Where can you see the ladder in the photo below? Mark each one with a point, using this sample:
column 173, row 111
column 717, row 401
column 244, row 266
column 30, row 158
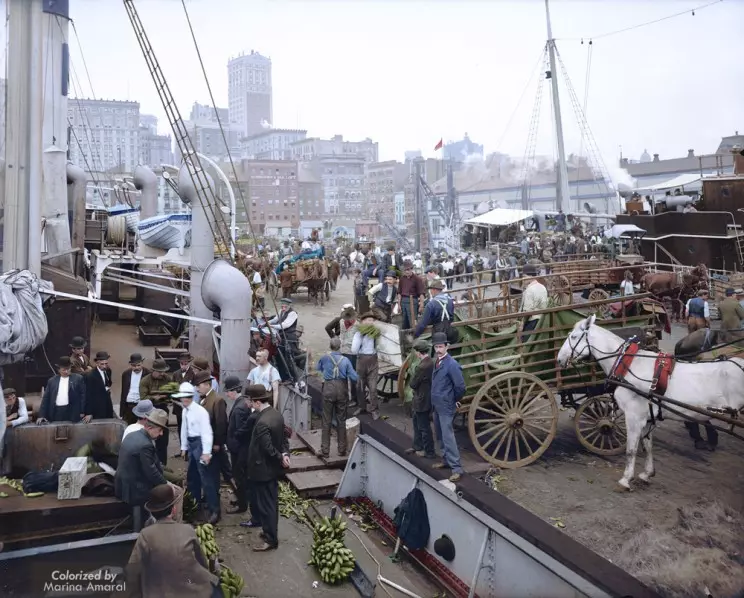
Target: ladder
column 739, row 243
column 218, row 224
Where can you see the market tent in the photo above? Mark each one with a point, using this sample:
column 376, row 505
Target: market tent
column 500, row 217
column 677, row 182
column 621, row 230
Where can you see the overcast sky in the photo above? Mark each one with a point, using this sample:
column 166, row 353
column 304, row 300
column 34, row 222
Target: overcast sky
column 408, row 72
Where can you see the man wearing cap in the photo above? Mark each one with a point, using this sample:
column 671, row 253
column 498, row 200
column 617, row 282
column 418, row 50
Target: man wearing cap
column 185, row 373
column 167, row 560
column 534, row 298
column 64, row 396
column 80, row 363
column 130, row 383
column 368, row 369
column 268, row 454
column 344, row 328
column 139, row 470
column 423, row 439
column 337, row 373
column 447, row 388
column 98, row 404
column 732, row 315
column 285, row 320
column 151, row 388
column 16, row 413
column 217, row 409
column 439, row 313
column 432, row 274
column 140, row 411
column 239, row 430
column 411, row 294
column 697, row 311
column 197, row 441
column 383, row 296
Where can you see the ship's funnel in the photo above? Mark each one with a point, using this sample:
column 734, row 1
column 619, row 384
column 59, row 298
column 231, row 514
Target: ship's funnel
column 146, row 183
column 76, row 196
column 226, row 290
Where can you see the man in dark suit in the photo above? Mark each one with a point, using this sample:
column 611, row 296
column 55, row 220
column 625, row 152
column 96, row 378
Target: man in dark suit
column 64, row 396
column 98, row 403
column 79, row 361
column 139, row 469
column 130, row 381
column 268, row 453
column 239, row 432
column 184, row 373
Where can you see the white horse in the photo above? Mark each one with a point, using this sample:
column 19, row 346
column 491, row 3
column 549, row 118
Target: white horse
column 716, row 384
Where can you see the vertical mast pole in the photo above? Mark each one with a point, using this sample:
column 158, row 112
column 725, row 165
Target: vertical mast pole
column 563, row 195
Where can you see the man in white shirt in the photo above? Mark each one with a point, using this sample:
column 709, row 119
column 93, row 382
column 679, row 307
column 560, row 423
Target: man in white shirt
column 130, row 387
column 368, row 370
column 534, row 298
column 64, row 396
column 626, row 286
column 266, row 375
column 16, row 413
column 141, row 410
column 196, row 449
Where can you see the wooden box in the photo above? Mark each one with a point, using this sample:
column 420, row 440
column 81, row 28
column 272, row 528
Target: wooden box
column 72, row 477
column 352, row 429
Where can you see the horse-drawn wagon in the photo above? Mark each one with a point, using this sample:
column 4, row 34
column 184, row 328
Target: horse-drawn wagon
column 312, row 273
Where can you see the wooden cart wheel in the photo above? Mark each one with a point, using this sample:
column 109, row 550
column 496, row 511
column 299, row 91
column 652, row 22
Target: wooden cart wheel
column 513, row 419
column 600, row 295
column 600, row 426
column 562, row 298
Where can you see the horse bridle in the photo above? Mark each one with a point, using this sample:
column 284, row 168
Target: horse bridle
column 584, row 333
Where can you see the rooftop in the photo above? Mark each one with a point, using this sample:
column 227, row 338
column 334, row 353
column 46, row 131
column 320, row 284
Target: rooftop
column 268, row 132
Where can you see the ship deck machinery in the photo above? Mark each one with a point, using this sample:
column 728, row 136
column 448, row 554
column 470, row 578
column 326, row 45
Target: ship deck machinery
column 500, row 548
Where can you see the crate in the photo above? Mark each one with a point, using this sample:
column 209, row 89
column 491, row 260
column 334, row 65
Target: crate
column 72, row 478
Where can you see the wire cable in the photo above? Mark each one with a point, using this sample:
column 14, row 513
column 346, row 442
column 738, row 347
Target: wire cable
column 691, row 11
column 82, row 55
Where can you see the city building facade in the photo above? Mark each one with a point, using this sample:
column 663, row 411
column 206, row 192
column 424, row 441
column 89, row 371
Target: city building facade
column 271, row 144
column 104, row 134
column 382, row 181
column 250, row 93
column 310, row 193
column 270, row 190
column 204, row 113
column 154, row 149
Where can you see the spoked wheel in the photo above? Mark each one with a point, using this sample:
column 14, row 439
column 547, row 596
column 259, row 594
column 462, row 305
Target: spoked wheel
column 600, row 426
column 513, row 419
column 562, row 298
column 272, row 284
column 599, row 295
column 328, row 290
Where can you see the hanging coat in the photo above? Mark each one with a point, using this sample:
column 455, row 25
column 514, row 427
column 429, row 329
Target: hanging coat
column 412, row 520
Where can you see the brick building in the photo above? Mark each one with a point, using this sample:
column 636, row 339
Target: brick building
column 270, row 188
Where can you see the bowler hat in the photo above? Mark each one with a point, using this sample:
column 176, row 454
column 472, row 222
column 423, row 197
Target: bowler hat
column 255, row 391
column 184, row 357
column 64, row 362
column 439, row 338
column 200, row 363
column 143, row 408
column 102, row 356
column 202, row 376
column 159, row 365
column 77, row 342
column 529, row 270
column 9, row 391
column 233, row 383
column 135, row 358
column 421, row 346
column 162, row 498
column 158, row 417
column 445, row 548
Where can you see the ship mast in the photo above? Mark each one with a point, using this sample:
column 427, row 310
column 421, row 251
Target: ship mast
column 563, row 195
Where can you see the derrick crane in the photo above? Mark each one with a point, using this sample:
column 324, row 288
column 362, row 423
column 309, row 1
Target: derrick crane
column 399, row 237
column 223, row 236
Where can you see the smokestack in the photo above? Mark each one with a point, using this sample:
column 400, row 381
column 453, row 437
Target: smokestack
column 690, row 153
column 55, row 207
column 656, row 157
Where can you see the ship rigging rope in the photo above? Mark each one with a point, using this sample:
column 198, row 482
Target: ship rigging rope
column 691, row 11
column 585, row 109
column 229, row 154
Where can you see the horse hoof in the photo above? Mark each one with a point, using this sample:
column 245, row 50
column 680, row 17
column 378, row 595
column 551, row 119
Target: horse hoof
column 643, row 478
column 623, row 487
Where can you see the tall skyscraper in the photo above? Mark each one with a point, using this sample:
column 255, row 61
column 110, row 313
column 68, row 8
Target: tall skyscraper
column 249, row 93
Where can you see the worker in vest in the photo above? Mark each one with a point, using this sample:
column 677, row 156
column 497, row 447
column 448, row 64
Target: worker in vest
column 337, row 373
column 439, row 313
column 384, row 296
column 698, row 312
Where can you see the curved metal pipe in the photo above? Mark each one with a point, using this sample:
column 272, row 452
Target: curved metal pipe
column 225, row 289
column 76, row 195
column 146, row 182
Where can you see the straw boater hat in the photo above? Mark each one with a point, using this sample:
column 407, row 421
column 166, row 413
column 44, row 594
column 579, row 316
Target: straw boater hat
column 162, row 498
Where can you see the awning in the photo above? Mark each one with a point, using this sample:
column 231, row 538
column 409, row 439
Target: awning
column 623, row 230
column 500, row 217
column 677, row 182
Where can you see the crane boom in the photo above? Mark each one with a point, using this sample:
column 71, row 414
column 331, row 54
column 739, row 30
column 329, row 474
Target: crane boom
column 198, row 176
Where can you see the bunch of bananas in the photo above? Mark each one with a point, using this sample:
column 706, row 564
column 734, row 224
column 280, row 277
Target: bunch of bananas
column 190, row 507
column 291, row 504
column 205, row 534
column 18, row 487
column 329, row 555
column 231, row 583
column 169, row 388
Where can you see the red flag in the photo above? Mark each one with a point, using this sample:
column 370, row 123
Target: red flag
column 438, row 146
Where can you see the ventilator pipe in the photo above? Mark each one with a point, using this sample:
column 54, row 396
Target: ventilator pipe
column 202, row 255
column 226, row 290
column 55, row 209
column 76, row 196
column 146, row 182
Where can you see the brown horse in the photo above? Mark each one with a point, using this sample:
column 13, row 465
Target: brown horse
column 316, row 281
column 676, row 286
column 334, row 271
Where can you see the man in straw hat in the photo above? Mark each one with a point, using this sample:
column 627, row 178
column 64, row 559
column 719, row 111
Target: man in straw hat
column 79, row 361
column 151, row 389
column 167, row 560
column 64, row 396
column 139, row 469
column 130, row 384
column 197, row 440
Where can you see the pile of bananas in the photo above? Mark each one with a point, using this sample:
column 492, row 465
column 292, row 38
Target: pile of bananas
column 168, row 388
column 291, row 504
column 329, row 555
column 18, row 487
column 231, row 583
column 205, row 534
column 190, row 507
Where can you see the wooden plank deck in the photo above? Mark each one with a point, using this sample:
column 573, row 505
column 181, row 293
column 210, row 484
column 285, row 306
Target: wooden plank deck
column 311, row 438
column 316, row 484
